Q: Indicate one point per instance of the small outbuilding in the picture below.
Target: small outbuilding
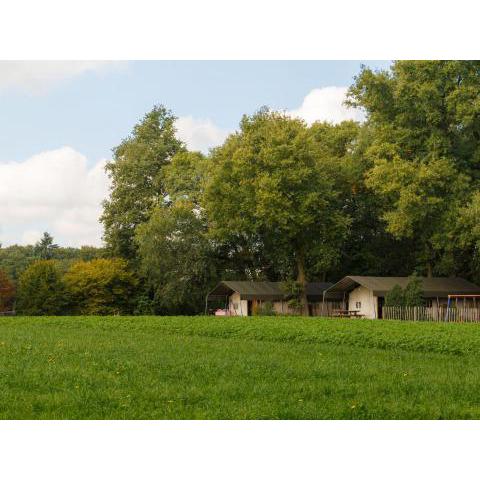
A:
(245, 297)
(366, 295)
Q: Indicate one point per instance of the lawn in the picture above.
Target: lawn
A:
(236, 368)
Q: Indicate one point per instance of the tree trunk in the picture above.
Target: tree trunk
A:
(302, 280)
(429, 270)
(430, 258)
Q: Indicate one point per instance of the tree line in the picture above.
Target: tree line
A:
(396, 194)
(45, 279)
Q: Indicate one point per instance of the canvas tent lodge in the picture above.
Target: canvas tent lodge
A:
(367, 294)
(243, 298)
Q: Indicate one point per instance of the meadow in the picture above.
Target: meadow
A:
(237, 368)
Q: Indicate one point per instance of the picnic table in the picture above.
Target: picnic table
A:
(347, 313)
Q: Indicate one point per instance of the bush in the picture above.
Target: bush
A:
(144, 305)
(410, 296)
(41, 290)
(265, 309)
(395, 298)
(413, 293)
(100, 287)
(293, 292)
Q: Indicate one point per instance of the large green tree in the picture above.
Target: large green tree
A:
(467, 237)
(137, 177)
(274, 184)
(185, 176)
(423, 119)
(424, 199)
(177, 258)
(368, 249)
(423, 110)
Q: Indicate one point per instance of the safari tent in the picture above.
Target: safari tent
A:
(243, 298)
(367, 294)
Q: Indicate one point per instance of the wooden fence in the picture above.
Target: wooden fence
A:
(433, 314)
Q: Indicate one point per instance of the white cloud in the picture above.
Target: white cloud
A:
(53, 191)
(326, 104)
(38, 76)
(200, 134)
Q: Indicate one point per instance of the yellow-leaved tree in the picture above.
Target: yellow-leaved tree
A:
(103, 286)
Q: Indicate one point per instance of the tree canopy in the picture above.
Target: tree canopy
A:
(137, 177)
(176, 258)
(423, 119)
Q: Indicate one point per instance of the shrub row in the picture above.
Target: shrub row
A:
(96, 287)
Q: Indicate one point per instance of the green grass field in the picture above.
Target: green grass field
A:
(233, 368)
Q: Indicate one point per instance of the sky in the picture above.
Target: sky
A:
(60, 120)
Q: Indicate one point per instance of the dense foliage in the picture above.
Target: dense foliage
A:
(176, 258)
(410, 296)
(100, 287)
(41, 290)
(137, 178)
(423, 119)
(16, 258)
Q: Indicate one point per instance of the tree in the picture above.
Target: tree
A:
(423, 201)
(413, 293)
(137, 177)
(424, 129)
(45, 248)
(100, 287)
(41, 290)
(7, 292)
(468, 235)
(368, 248)
(395, 297)
(272, 183)
(422, 110)
(177, 258)
(293, 294)
(410, 296)
(16, 258)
